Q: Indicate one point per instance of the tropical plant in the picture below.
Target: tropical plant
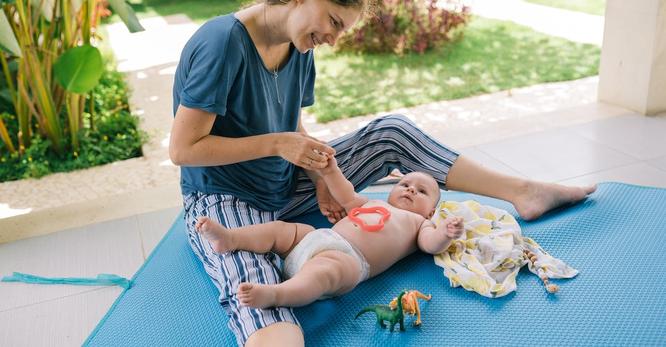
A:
(116, 136)
(50, 67)
(402, 26)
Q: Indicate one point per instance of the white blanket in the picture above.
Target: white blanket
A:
(489, 254)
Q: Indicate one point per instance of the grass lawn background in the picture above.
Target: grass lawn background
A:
(492, 56)
(596, 7)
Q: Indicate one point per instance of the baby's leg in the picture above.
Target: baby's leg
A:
(277, 236)
(327, 273)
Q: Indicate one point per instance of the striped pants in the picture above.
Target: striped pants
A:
(364, 157)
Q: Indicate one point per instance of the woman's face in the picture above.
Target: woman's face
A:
(315, 22)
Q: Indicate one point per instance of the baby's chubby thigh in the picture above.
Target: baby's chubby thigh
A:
(337, 271)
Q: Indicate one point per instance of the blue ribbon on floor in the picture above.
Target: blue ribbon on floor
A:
(100, 280)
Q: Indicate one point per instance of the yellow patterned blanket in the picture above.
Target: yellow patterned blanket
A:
(488, 256)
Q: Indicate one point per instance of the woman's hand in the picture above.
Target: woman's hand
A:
(328, 206)
(304, 151)
(330, 169)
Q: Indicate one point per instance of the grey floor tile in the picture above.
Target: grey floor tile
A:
(154, 225)
(61, 322)
(659, 163)
(488, 161)
(638, 173)
(639, 136)
(111, 247)
(555, 155)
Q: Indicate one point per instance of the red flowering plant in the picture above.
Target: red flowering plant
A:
(402, 26)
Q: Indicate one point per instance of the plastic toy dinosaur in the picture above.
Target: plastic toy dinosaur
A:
(385, 313)
(410, 304)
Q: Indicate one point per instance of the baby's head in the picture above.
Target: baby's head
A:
(417, 192)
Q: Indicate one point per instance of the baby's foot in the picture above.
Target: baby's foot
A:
(220, 238)
(540, 197)
(257, 295)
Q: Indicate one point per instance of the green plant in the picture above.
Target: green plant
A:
(50, 66)
(595, 7)
(403, 26)
(494, 55)
(114, 137)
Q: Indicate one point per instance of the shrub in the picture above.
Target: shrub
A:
(402, 26)
(50, 66)
(115, 135)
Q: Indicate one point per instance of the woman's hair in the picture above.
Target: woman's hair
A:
(364, 5)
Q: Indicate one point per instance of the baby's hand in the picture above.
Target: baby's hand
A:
(331, 167)
(454, 227)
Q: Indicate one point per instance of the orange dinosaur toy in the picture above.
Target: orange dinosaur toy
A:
(410, 303)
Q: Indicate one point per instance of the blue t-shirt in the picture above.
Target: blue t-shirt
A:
(220, 71)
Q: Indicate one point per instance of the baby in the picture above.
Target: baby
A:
(329, 262)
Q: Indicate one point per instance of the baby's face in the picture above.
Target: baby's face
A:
(416, 192)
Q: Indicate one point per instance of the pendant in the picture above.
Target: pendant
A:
(277, 89)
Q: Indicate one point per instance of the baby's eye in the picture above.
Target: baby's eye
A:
(403, 184)
(422, 191)
(334, 23)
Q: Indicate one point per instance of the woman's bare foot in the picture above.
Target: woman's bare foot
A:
(220, 238)
(540, 197)
(257, 295)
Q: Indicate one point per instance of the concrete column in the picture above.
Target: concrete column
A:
(632, 72)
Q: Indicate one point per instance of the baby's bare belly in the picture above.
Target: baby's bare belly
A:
(381, 249)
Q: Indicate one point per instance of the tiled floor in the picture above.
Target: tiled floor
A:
(629, 148)
(59, 315)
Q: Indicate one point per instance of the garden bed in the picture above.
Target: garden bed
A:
(114, 136)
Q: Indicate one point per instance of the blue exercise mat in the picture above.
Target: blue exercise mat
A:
(616, 239)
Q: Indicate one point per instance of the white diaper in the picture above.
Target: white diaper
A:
(318, 241)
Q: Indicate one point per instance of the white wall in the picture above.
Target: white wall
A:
(632, 73)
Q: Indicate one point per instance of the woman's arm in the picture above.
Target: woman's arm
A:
(192, 145)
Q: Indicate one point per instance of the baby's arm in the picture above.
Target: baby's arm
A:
(341, 189)
(435, 240)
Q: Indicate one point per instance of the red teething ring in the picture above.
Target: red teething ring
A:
(376, 209)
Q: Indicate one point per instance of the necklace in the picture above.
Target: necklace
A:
(275, 68)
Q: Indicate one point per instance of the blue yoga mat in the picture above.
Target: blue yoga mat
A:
(616, 239)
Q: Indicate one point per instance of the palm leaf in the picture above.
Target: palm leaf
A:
(8, 41)
(127, 15)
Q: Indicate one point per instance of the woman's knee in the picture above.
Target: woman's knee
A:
(398, 126)
(396, 119)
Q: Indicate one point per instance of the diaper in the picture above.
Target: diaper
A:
(318, 241)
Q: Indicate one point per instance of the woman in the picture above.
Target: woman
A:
(245, 157)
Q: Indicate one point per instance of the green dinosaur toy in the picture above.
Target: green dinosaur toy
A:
(385, 313)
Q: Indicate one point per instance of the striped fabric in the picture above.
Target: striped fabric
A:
(364, 157)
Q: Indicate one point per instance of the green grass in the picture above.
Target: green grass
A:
(492, 56)
(596, 7)
(198, 10)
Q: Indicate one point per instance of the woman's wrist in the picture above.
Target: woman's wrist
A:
(275, 144)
